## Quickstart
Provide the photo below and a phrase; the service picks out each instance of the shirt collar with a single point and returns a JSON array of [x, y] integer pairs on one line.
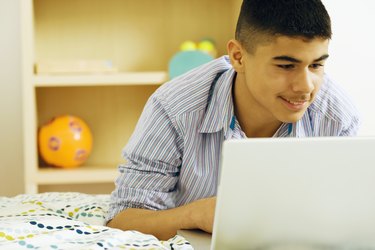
[[301, 128], [219, 110], [304, 127]]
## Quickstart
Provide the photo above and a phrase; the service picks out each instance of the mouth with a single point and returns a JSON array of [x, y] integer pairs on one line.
[[294, 104]]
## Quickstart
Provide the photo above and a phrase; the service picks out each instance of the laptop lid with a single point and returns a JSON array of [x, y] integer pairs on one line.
[[296, 193]]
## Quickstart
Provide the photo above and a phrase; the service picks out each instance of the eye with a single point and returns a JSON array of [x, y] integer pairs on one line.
[[286, 66], [316, 65]]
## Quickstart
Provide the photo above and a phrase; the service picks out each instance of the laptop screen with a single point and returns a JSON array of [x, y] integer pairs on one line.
[[303, 192]]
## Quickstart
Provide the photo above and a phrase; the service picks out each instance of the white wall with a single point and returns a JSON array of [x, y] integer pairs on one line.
[[352, 54], [11, 154]]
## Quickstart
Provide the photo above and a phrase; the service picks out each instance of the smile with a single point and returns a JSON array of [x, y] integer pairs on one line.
[[294, 105], [295, 102]]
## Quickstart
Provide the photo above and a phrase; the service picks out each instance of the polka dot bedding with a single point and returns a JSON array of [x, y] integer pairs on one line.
[[69, 221]]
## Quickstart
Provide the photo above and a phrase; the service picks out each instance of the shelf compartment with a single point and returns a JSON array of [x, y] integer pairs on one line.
[[111, 112], [134, 35]]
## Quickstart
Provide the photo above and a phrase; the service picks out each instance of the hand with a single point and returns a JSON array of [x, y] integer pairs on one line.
[[203, 212]]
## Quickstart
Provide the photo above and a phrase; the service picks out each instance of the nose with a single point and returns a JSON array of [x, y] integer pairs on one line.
[[304, 82]]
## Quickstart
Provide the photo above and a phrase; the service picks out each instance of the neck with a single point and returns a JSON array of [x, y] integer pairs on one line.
[[254, 120]]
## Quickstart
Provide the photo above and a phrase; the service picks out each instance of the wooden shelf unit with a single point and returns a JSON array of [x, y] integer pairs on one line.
[[139, 37]]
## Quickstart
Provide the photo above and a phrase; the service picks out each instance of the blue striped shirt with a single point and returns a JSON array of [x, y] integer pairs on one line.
[[173, 154]]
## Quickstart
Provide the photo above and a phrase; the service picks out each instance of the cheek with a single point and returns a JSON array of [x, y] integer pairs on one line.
[[318, 81], [277, 82], [265, 82]]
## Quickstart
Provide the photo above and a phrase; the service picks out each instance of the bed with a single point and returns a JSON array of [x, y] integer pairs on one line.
[[67, 220]]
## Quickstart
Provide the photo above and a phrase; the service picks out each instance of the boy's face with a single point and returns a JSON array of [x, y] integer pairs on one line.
[[284, 76]]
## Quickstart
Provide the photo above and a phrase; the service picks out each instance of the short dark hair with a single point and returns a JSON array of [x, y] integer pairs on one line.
[[262, 20]]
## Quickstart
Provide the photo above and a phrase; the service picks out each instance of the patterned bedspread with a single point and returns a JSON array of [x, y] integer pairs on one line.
[[69, 221]]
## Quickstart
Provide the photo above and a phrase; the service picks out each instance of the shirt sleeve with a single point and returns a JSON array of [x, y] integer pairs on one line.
[[153, 154]]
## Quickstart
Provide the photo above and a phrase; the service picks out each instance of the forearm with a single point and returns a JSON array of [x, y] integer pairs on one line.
[[164, 223]]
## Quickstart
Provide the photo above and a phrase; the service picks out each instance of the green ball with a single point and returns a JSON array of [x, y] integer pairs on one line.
[[206, 45], [188, 45]]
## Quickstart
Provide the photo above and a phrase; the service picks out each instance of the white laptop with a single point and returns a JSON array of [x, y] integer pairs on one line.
[[290, 193]]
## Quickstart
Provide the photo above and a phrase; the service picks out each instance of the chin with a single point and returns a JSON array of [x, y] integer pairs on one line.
[[292, 118]]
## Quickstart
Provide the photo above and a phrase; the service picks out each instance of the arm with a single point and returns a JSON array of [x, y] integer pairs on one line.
[[165, 223], [145, 194]]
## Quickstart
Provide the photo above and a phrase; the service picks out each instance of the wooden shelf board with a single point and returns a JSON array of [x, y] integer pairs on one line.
[[124, 78], [85, 174]]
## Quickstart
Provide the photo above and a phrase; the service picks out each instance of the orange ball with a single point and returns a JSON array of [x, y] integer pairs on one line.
[[65, 141]]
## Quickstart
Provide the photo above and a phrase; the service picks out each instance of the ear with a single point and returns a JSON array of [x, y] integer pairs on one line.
[[236, 55]]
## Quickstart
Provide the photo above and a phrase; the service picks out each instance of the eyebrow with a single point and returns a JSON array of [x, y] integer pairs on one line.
[[295, 60]]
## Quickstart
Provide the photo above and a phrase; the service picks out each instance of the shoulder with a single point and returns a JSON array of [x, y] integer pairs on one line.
[[190, 91], [334, 103]]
